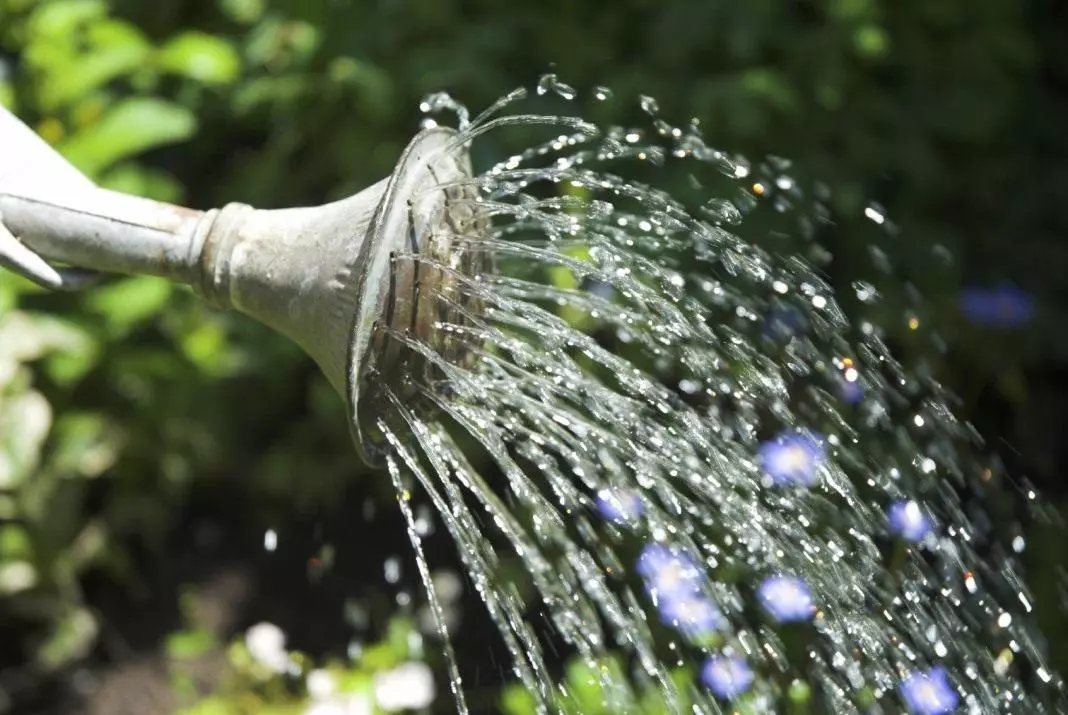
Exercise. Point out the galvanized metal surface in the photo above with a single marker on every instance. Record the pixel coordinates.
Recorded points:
(327, 277)
(30, 167)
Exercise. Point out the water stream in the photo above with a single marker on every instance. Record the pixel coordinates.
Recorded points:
(699, 459)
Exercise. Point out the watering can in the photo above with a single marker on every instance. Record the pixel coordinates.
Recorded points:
(341, 280)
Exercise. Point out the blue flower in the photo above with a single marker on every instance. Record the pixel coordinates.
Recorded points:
(908, 520)
(783, 322)
(793, 457)
(1004, 307)
(929, 693)
(669, 573)
(786, 598)
(850, 388)
(622, 506)
(694, 616)
(726, 676)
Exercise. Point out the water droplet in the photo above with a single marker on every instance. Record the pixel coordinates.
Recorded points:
(866, 292)
(550, 82)
(441, 101)
(880, 260)
(391, 569)
(722, 211)
(599, 209)
(663, 128)
(602, 93)
(649, 105)
(875, 214)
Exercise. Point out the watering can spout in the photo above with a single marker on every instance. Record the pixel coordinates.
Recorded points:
(338, 279)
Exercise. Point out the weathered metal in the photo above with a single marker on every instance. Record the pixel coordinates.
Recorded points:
(343, 280)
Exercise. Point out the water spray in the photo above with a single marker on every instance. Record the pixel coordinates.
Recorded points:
(329, 277)
(633, 373)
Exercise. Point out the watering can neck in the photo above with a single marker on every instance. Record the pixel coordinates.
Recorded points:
(107, 231)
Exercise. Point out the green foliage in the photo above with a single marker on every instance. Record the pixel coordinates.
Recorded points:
(603, 688)
(250, 688)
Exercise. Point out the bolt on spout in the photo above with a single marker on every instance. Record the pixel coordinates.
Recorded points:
(327, 277)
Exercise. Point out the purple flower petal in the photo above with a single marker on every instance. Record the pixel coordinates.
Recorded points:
(929, 692)
(622, 506)
(669, 572)
(694, 616)
(786, 598)
(793, 458)
(726, 676)
(1004, 306)
(784, 322)
(851, 391)
(908, 520)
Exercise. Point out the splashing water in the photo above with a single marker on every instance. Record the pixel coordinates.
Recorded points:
(700, 462)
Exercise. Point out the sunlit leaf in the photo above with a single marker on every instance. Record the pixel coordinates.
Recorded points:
(24, 424)
(57, 20)
(130, 127)
(190, 645)
(129, 178)
(201, 57)
(72, 638)
(118, 50)
(130, 301)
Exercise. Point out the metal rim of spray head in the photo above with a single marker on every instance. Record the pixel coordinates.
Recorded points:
(415, 284)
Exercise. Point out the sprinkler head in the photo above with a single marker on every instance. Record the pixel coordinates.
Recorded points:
(351, 282)
(413, 283)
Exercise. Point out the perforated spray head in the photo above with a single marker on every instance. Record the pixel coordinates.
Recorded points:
(346, 281)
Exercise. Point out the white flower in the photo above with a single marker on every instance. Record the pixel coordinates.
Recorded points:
(329, 707)
(321, 684)
(352, 705)
(406, 687)
(266, 644)
(447, 586)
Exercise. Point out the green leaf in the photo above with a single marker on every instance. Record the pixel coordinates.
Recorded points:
(872, 41)
(129, 178)
(74, 357)
(84, 444)
(215, 705)
(201, 57)
(58, 20)
(132, 126)
(282, 90)
(399, 637)
(599, 688)
(15, 543)
(517, 700)
(7, 96)
(129, 302)
(190, 645)
(245, 12)
(205, 346)
(71, 639)
(24, 424)
(119, 50)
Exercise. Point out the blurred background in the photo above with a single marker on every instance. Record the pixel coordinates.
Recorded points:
(171, 476)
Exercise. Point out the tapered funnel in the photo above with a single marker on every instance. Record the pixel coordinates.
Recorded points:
(349, 281)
